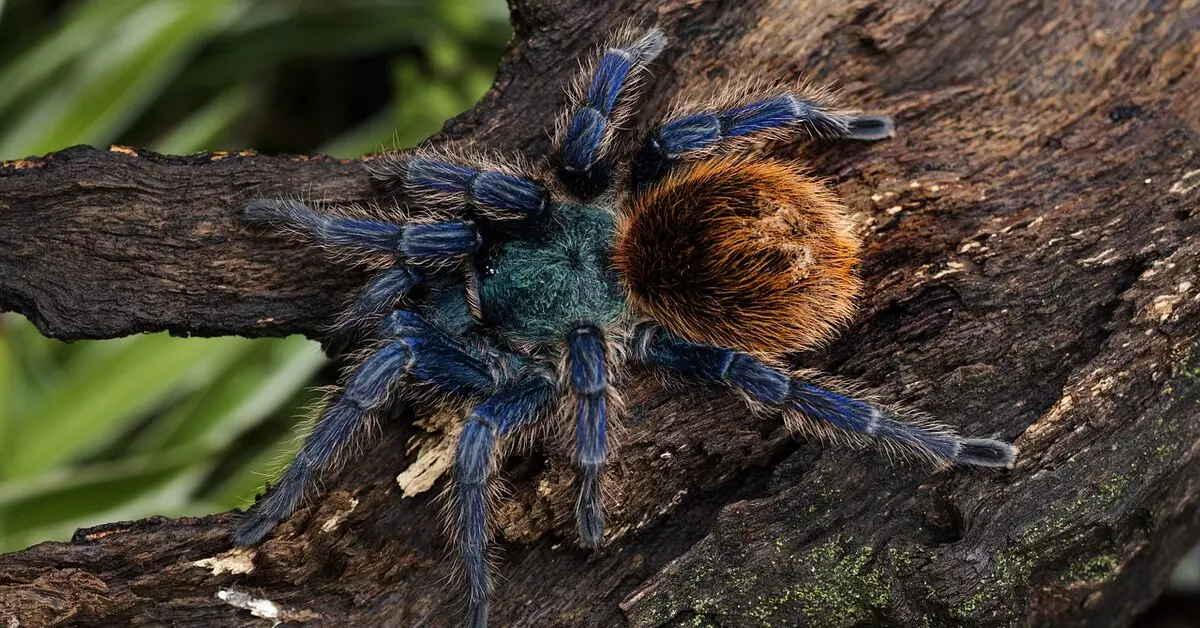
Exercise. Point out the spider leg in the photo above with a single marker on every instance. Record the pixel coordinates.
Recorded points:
(766, 115)
(431, 243)
(773, 389)
(598, 106)
(496, 191)
(589, 383)
(372, 304)
(474, 465)
(415, 350)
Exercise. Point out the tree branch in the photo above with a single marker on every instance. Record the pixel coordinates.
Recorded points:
(1030, 262)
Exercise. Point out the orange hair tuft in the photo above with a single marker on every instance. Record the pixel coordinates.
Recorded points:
(748, 254)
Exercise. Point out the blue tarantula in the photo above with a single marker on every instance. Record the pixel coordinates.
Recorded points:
(520, 292)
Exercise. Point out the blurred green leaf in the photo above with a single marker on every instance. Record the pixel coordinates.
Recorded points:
(373, 136)
(8, 387)
(84, 25)
(38, 359)
(243, 395)
(91, 503)
(238, 488)
(102, 393)
(97, 94)
(39, 493)
(203, 129)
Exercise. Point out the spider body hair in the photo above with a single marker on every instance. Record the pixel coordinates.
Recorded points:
(813, 405)
(516, 295)
(541, 284)
(464, 183)
(762, 257)
(431, 244)
(600, 101)
(475, 462)
(588, 381)
(736, 118)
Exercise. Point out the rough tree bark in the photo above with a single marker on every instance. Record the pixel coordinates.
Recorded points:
(1031, 273)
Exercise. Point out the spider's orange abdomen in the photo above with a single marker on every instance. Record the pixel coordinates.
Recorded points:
(748, 254)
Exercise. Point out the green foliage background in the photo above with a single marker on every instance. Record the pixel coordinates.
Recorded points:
(102, 431)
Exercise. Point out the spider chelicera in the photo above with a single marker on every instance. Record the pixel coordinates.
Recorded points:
(519, 293)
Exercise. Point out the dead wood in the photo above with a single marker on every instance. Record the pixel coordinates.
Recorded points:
(1031, 270)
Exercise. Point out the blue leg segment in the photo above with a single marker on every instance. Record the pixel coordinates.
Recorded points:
(445, 364)
(774, 389)
(474, 464)
(703, 131)
(326, 229)
(590, 126)
(870, 128)
(439, 241)
(418, 353)
(493, 194)
(860, 417)
(371, 305)
(589, 383)
(423, 243)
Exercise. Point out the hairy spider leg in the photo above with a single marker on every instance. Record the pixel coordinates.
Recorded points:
(418, 243)
(415, 351)
(589, 384)
(774, 389)
(474, 465)
(698, 133)
(597, 111)
(372, 304)
(497, 195)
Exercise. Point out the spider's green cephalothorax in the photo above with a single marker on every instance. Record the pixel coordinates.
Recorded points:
(540, 284)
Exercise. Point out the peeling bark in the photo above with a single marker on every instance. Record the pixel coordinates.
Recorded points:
(1031, 269)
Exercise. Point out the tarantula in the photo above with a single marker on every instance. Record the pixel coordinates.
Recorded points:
(520, 292)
